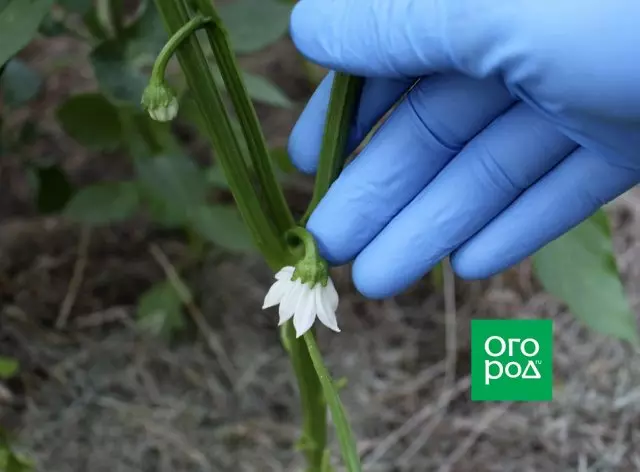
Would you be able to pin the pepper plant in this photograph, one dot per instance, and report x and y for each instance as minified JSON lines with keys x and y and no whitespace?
{"x":140,"y":92}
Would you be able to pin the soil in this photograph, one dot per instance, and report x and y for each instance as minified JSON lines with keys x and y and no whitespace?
{"x":98,"y":395}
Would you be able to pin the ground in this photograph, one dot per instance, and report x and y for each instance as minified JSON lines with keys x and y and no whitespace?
{"x":98,"y":395}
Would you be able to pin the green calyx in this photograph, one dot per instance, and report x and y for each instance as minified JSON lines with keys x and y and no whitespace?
{"x":160,"y":101}
{"x":311,"y":268}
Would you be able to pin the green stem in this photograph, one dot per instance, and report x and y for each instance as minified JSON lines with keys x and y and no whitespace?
{"x":218,"y":126}
{"x":338,"y":415}
{"x":345,"y":94}
{"x":314,"y":422}
{"x":165,"y":54}
{"x":256,"y":142}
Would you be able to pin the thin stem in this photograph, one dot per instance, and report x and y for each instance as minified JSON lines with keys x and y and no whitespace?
{"x":345,"y":435}
{"x":314,"y":421}
{"x":160,"y":66}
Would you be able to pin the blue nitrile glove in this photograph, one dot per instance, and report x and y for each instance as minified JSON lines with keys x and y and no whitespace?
{"x":526,"y":121}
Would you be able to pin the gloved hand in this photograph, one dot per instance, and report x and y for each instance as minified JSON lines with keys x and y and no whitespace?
{"x":525,"y":121}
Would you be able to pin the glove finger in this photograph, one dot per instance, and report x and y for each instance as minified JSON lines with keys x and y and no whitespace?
{"x":491,"y":171}
{"x":428,"y":128}
{"x":378,"y":95}
{"x":372,"y":38}
{"x":565,"y":197}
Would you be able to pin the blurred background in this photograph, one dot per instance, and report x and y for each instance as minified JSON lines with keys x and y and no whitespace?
{"x":131,"y":334}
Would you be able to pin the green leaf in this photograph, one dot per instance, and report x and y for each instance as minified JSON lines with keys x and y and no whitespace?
{"x":145,"y":137}
{"x":19,"y":21}
{"x":160,"y":311}
{"x":52,"y":188}
{"x":92,"y":120}
{"x":104,"y":203}
{"x":19,"y":83}
{"x":215,"y":177}
{"x":255,"y":24}
{"x":222,"y":226}
{"x":172,"y":185}
{"x":119,"y":76}
{"x":76,"y":6}
{"x":260,"y":89}
{"x":580,"y":269}
{"x":8,"y":367}
{"x":122,"y":65}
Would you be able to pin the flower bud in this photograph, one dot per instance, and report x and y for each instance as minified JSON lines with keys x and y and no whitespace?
{"x":160,"y":101}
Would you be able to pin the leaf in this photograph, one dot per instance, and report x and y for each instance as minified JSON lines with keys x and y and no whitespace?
{"x":118,"y":75}
{"x":52,"y":187}
{"x":76,"y":6}
{"x":216,"y":177}
{"x":222,"y":226}
{"x":19,"y":82}
{"x":260,"y":89}
{"x":92,"y":120}
{"x":255,"y":24}
{"x":8,"y":367}
{"x":580,"y":269}
{"x":173,"y":185}
{"x":160,"y":311}
{"x":104,"y":203}
{"x":19,"y":21}
{"x":122,"y":65}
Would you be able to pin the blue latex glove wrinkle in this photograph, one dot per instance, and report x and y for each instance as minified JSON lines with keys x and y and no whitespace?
{"x":526,"y":119}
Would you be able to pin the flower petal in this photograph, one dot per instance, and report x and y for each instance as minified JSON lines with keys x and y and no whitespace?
{"x":285,"y":273}
{"x":275,"y":293}
{"x":305,"y":311}
{"x":289,"y":301}
{"x":323,"y":305}
{"x":331,"y":294}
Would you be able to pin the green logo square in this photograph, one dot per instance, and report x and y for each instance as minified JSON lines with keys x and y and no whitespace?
{"x":512,"y":360}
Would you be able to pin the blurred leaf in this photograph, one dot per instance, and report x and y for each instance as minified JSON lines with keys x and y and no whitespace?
{"x":19,"y":21}
{"x":118,"y":75}
{"x":104,"y":203}
{"x":260,"y":89}
{"x":94,"y":25}
{"x":19,"y":82}
{"x":147,"y":35}
{"x":255,"y":24}
{"x":580,"y":269}
{"x":91,"y":120}
{"x":52,"y":27}
{"x":8,"y":367}
{"x":122,"y":66}
{"x":76,"y":6}
{"x":216,"y":177}
{"x":145,"y":137}
{"x":173,"y":185}
{"x":222,"y":226}
{"x":52,"y":187}
{"x":160,"y":311}
{"x":15,"y":462}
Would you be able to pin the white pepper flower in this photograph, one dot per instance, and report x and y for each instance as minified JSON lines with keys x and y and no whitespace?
{"x":160,"y":101}
{"x":304,"y":294}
